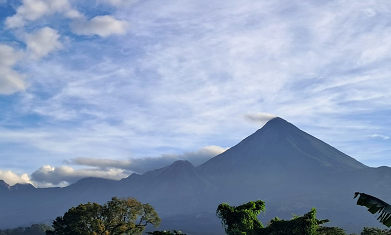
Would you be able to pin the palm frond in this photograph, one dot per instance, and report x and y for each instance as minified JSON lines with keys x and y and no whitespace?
{"x":375,"y":205}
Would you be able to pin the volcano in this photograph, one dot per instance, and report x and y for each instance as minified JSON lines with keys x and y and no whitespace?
{"x":279,"y":150}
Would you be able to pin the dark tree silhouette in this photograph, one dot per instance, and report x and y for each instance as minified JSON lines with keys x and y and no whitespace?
{"x":116,"y":217}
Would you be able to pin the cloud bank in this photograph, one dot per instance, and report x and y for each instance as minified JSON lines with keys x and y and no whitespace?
{"x":142,"y":165}
{"x":12,"y":178}
{"x":50,"y":176}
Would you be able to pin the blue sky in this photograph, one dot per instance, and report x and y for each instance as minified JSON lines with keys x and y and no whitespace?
{"x":106,"y":88}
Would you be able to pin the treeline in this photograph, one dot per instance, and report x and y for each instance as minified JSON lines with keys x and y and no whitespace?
{"x":129,"y":217}
{"x":39,"y":229}
{"x":35,"y":229}
{"x":242,"y":220}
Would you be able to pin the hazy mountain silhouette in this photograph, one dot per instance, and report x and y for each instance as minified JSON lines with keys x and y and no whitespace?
{"x":289,"y":169}
{"x":279,"y":144}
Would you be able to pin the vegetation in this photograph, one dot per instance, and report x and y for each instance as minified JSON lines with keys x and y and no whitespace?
{"x":303,"y":225}
{"x":35,"y":229}
{"x":116,"y":217}
{"x":375,"y":205}
{"x":375,"y":231}
{"x":242,"y":220}
{"x":129,"y":216}
{"x":331,"y":231}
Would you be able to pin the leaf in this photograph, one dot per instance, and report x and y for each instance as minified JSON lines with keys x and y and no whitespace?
{"x":375,"y":205}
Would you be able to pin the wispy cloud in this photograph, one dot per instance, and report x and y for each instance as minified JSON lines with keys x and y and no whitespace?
{"x":384,"y":137}
{"x":259,"y":117}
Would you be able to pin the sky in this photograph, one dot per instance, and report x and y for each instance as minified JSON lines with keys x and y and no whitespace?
{"x":107,"y":88}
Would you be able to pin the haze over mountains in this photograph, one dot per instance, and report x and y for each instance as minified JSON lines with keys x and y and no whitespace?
{"x":289,"y":169}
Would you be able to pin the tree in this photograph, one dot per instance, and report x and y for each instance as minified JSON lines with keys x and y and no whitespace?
{"x":375,"y":231}
{"x":35,"y":229}
{"x":307,"y":224}
{"x":375,"y":205}
{"x":241,"y":219}
{"x":116,"y":217}
{"x":330,"y":231}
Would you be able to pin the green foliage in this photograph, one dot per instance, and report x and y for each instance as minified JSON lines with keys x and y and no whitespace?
{"x":375,"y":231}
{"x":116,"y":217}
{"x":241,"y":219}
{"x":330,"y":231}
{"x":35,"y":229}
{"x":375,"y":205}
{"x":300,"y":225}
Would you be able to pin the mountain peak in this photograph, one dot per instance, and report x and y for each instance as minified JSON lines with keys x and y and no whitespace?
{"x":278,"y":124}
{"x":22,"y":187}
{"x":281,"y":146}
{"x":278,"y":121}
{"x":181,"y":163}
{"x":178,"y":169}
{"x":4,"y":185}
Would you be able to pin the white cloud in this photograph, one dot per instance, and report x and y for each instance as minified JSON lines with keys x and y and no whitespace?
{"x":49,"y":175}
{"x":100,"y":25}
{"x":42,"y":42}
{"x":32,"y":10}
{"x":10,"y":80}
{"x":12,"y":178}
{"x":380,"y":136}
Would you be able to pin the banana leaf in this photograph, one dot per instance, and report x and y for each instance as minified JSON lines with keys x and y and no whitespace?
{"x":375,"y":205}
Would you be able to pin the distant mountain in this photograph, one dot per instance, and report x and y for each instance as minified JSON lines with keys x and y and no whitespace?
{"x":170,"y":185}
{"x":289,"y":169}
{"x":278,"y":156}
{"x":17,"y":187}
{"x":279,"y":144}
{"x":4,"y":186}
